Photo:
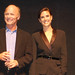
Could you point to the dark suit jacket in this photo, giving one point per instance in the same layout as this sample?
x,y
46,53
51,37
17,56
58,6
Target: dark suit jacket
x,y
23,52
44,66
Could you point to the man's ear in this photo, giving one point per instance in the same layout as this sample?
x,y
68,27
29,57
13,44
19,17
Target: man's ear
x,y
18,17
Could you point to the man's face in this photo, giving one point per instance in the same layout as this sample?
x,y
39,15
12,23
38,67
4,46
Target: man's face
x,y
11,15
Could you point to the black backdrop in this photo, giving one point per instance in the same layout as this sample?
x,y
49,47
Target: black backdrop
x,y
63,18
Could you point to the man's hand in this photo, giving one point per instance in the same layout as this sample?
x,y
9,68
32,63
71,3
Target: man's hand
x,y
11,64
4,56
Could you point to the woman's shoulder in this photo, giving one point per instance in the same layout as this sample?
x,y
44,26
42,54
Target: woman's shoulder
x,y
60,31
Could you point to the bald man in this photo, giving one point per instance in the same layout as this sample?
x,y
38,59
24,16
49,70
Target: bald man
x,y
15,45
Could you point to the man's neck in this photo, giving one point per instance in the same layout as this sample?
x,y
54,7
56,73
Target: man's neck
x,y
11,27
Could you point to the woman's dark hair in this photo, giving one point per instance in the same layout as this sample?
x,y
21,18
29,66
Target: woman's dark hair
x,y
44,9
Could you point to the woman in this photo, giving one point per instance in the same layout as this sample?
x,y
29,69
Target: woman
x,y
50,53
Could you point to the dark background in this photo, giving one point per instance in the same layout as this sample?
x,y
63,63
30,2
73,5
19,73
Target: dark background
x,y
63,18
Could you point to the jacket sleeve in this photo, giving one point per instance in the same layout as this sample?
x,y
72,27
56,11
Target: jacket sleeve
x,y
63,55
27,57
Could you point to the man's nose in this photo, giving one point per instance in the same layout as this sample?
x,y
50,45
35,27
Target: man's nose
x,y
9,15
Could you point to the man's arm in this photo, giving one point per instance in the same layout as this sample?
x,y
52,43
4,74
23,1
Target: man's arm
x,y
26,57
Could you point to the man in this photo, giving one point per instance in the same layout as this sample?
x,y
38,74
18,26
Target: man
x,y
15,45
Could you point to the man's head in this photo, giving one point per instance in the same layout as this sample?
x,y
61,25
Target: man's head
x,y
11,15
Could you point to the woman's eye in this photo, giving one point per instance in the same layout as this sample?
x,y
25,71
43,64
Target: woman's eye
x,y
42,17
47,15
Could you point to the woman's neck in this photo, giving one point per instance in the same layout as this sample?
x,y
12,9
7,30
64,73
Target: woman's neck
x,y
47,29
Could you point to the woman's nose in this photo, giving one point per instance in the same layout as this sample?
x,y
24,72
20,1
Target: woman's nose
x,y
45,18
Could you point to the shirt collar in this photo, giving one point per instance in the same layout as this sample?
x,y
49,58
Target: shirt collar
x,y
8,30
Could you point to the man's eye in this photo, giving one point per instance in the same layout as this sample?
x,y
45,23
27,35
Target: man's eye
x,y
6,13
12,14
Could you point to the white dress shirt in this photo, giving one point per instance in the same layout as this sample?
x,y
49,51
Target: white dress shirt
x,y
11,42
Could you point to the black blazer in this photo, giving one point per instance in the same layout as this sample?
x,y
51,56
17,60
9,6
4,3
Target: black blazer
x,y
58,50
23,52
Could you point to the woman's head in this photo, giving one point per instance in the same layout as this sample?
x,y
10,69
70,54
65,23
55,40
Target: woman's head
x,y
45,17
44,9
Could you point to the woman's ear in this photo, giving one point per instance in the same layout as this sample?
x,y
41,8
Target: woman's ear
x,y
51,17
39,20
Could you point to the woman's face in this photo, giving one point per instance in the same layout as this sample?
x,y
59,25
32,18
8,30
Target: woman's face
x,y
45,18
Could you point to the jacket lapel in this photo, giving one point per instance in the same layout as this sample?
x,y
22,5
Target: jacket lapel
x,y
3,39
46,40
17,41
53,37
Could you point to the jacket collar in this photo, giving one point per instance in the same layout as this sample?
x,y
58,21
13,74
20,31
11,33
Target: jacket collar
x,y
46,40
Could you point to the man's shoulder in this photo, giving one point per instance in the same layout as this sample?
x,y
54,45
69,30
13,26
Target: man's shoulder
x,y
23,32
2,29
35,34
